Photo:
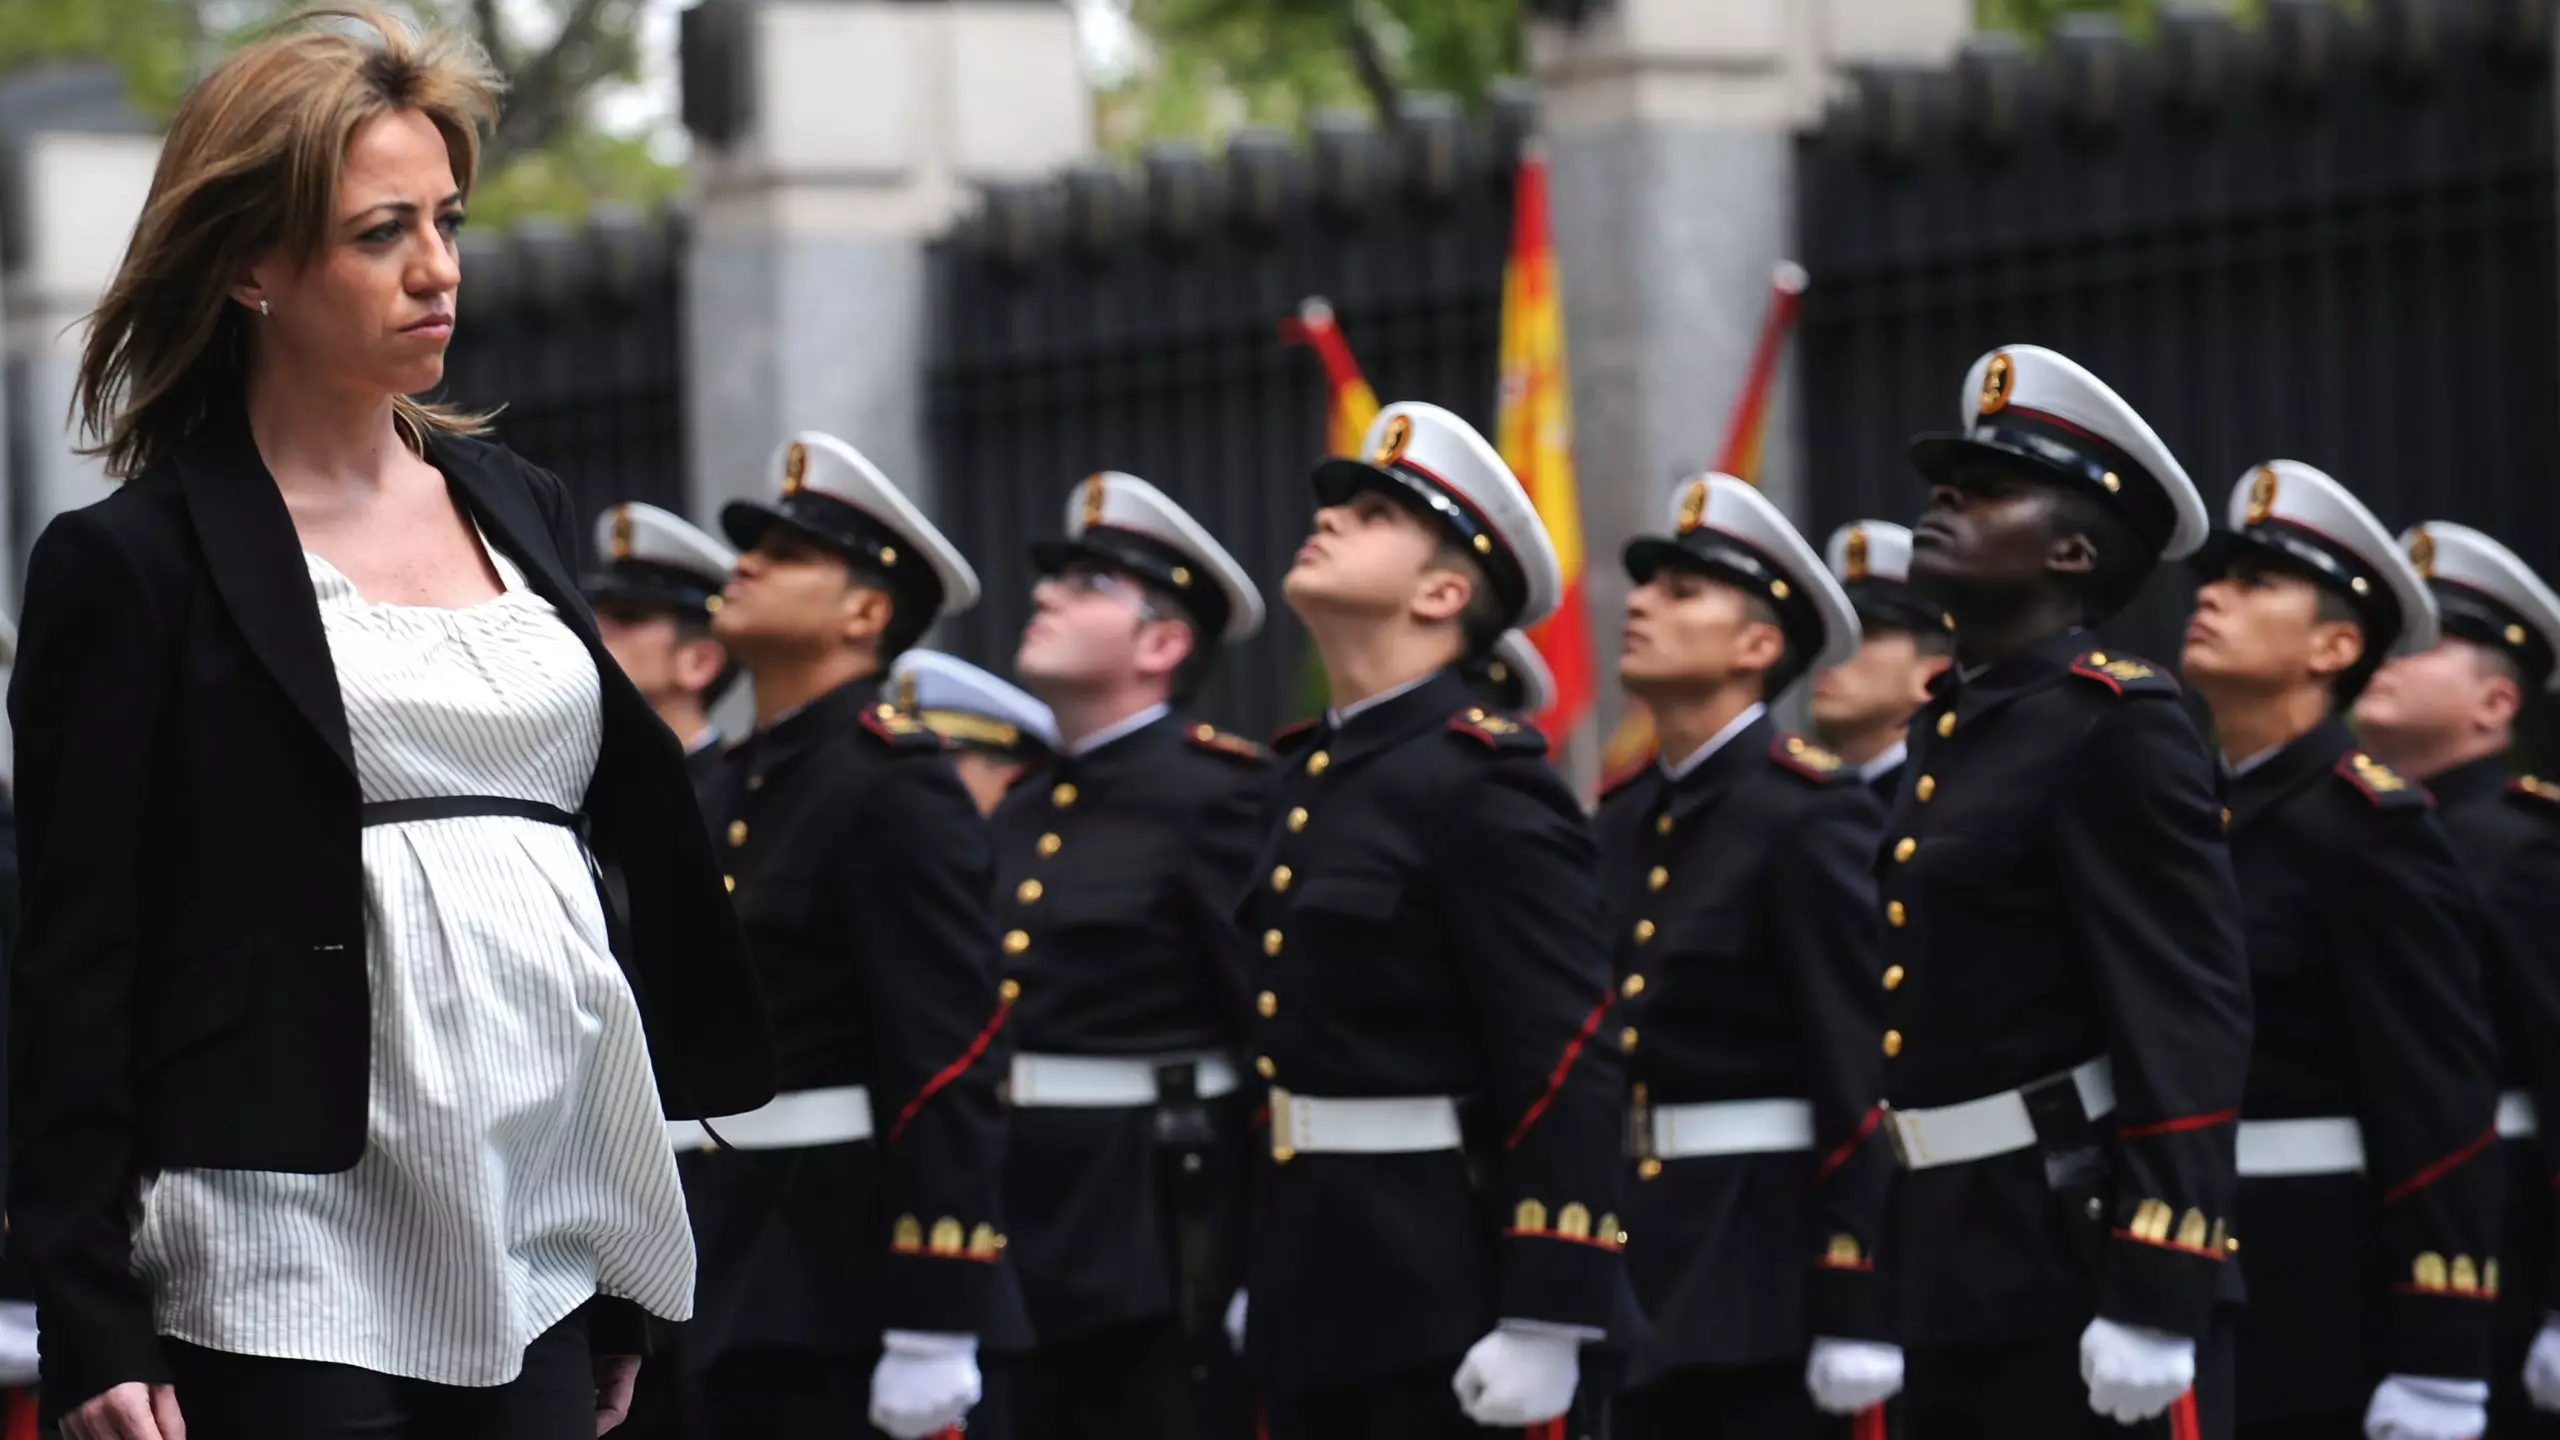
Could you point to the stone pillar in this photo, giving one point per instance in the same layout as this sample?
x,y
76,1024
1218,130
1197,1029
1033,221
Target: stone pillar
x,y
1670,128
81,160
856,130
80,193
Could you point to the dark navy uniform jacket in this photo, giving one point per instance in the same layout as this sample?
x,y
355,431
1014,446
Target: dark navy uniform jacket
x,y
2362,948
702,765
1426,911
1117,873
860,871
2507,833
1744,910
2056,888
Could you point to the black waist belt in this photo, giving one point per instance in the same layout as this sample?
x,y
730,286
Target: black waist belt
x,y
458,807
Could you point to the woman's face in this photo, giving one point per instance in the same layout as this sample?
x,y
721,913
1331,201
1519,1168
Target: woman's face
x,y
374,312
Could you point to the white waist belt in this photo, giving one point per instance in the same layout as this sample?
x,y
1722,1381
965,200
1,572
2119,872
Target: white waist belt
x,y
1732,1127
2322,1145
1391,1125
838,1115
2516,1116
1110,1081
1993,1125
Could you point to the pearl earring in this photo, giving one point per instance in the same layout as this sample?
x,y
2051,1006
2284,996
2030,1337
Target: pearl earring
x,y
264,308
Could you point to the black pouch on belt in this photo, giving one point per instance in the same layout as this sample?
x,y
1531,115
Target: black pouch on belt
x,y
1186,1136
2075,1160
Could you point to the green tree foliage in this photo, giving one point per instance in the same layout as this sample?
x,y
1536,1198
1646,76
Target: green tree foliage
x,y
547,157
2038,17
1217,64
153,42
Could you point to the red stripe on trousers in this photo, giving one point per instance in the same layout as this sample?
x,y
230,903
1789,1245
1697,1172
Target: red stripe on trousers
x,y
1550,1430
2182,1419
1869,1425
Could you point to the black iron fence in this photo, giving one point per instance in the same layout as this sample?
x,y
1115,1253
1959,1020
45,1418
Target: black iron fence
x,y
2330,240
574,331
1112,321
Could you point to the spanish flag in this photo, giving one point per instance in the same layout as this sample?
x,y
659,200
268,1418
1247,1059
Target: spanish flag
x,y
1533,428
1350,403
1349,407
1632,744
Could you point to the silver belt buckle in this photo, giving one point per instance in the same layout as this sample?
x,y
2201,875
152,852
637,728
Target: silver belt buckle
x,y
1893,1135
1284,1133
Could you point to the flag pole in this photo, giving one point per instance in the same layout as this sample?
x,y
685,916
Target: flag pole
x,y
1631,745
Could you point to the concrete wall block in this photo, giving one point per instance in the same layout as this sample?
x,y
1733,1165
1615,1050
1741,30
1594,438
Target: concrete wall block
x,y
846,91
1018,106
1713,31
1913,31
86,192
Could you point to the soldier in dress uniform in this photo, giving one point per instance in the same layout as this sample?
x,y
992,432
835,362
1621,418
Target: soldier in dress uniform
x,y
1738,875
2446,717
1436,1221
849,1241
2369,1185
2066,999
1117,869
1511,676
1862,706
654,598
994,732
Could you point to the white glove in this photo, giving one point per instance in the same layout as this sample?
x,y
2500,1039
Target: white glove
x,y
1521,1374
2542,1366
924,1383
2427,1407
1847,1376
1235,1322
2134,1372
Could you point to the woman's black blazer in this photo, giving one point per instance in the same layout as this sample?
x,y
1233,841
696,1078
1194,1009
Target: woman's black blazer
x,y
189,988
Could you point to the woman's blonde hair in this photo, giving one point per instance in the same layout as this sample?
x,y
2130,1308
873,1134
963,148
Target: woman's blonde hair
x,y
251,162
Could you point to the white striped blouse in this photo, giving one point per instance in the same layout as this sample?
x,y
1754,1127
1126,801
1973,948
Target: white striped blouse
x,y
515,1163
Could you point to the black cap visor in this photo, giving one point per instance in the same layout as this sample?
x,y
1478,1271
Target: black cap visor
x,y
851,533
1893,605
645,584
2055,452
2316,558
1160,565
2491,624
1721,557
1338,479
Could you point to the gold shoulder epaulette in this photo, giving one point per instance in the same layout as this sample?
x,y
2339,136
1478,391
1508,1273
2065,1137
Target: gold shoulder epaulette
x,y
1796,753
2123,674
1232,747
2378,782
899,729
1497,731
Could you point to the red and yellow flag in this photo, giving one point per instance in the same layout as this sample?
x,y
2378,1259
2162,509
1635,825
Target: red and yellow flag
x,y
1632,744
1350,403
1533,428
1349,407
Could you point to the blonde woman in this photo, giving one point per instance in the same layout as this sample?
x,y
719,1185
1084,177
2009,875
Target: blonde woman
x,y
337,1094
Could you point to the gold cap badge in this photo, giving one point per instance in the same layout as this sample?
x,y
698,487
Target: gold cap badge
x,y
621,533
1854,555
1997,380
1391,443
2422,554
1693,506
795,467
2262,495
1095,492
907,692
